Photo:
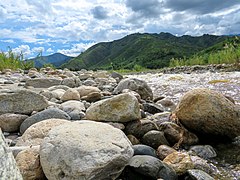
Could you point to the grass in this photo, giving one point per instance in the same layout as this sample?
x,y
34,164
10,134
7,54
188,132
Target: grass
x,y
12,61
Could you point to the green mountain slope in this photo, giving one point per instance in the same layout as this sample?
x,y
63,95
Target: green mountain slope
x,y
147,50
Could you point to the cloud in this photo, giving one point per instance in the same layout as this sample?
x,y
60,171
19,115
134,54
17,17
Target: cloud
x,y
38,49
99,12
50,50
22,49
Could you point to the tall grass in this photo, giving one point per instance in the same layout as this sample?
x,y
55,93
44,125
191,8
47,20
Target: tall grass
x,y
228,55
9,60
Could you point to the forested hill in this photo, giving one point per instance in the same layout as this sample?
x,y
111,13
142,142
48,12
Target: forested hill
x,y
147,50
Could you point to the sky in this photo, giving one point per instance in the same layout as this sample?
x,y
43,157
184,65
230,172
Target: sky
x,y
72,26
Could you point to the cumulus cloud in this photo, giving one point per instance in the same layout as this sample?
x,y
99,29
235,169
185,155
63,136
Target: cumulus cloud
x,y
50,50
99,12
38,49
22,49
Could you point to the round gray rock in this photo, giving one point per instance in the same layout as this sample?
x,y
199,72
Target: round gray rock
x,y
85,150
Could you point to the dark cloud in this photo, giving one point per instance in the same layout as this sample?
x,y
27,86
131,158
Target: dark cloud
x,y
199,6
145,8
99,12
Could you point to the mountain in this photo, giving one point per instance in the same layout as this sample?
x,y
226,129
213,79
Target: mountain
x,y
56,59
146,50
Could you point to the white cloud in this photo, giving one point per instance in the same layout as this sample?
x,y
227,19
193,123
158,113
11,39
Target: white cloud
x,y
38,49
50,50
22,49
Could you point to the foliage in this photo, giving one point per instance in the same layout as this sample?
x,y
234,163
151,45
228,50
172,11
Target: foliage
x,y
10,60
228,54
146,50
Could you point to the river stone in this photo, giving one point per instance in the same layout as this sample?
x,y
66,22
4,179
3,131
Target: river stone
x,y
152,108
45,114
146,126
196,174
133,139
43,82
154,139
85,90
120,108
141,149
85,150
92,97
208,112
34,135
164,150
70,94
28,162
11,122
72,105
180,162
140,86
203,151
151,167
70,82
21,102
9,169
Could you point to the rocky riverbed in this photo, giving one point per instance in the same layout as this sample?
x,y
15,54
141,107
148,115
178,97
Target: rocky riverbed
x,y
59,124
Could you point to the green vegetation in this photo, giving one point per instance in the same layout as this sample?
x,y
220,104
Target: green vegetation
x,y
227,52
10,60
150,51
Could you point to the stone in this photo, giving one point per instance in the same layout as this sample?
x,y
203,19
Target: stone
x,y
45,114
58,93
152,108
70,82
35,134
11,122
140,86
117,76
85,150
154,139
208,112
146,126
164,150
89,82
64,87
120,108
43,82
151,167
203,151
28,162
85,90
142,149
9,169
72,105
92,97
133,139
21,102
202,164
196,174
133,128
180,162
176,134
70,94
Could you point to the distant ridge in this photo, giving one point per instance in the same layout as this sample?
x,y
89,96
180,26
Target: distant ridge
x,y
147,50
56,59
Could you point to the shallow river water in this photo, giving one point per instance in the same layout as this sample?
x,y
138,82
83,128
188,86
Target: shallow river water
x,y
227,164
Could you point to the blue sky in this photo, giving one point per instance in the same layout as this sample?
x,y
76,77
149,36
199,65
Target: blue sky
x,y
72,26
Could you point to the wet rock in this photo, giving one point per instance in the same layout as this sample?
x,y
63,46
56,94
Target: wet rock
x,y
9,169
76,151
45,114
120,108
180,162
152,108
208,112
151,167
11,122
21,102
140,86
70,94
35,134
28,162
196,174
142,149
164,150
154,139
43,82
175,134
203,151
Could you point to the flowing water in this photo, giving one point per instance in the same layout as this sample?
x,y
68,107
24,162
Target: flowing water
x,y
227,164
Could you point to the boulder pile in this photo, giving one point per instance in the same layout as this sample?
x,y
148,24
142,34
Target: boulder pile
x,y
60,124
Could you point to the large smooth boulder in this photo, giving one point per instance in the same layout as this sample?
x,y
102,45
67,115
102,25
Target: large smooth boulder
x,y
85,150
35,134
137,85
8,167
11,122
21,102
43,82
208,112
45,114
85,90
120,108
